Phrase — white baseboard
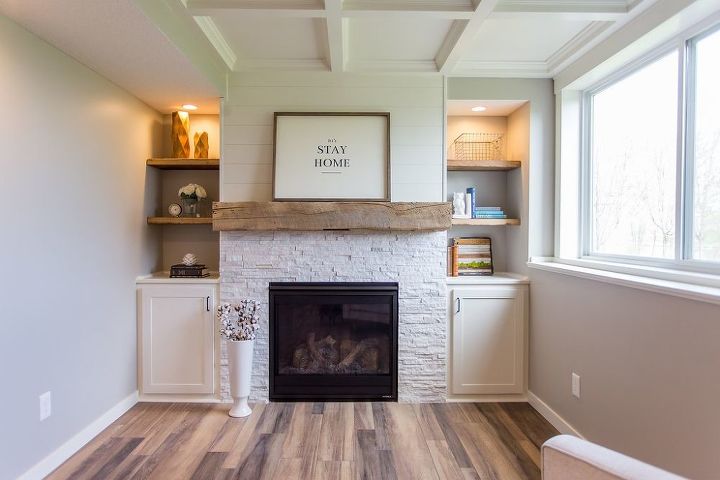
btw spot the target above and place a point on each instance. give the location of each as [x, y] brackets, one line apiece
[69, 448]
[486, 398]
[175, 398]
[552, 416]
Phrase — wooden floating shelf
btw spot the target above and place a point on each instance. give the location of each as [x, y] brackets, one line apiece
[184, 163]
[179, 221]
[485, 221]
[482, 165]
[318, 216]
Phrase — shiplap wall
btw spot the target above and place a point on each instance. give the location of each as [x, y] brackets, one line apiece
[416, 126]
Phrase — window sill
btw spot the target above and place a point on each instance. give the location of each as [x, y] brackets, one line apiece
[699, 287]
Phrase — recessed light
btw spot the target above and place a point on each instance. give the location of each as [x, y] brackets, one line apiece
[479, 109]
[189, 106]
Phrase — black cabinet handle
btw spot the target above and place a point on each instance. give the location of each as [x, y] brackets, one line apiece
[458, 305]
[207, 303]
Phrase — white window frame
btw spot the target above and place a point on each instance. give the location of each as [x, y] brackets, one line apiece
[684, 45]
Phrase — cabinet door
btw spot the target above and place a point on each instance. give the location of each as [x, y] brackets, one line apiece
[488, 350]
[178, 332]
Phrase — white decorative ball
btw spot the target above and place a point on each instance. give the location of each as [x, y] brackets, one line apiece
[189, 259]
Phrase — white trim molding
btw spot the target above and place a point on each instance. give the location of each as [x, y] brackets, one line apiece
[79, 440]
[693, 286]
[552, 416]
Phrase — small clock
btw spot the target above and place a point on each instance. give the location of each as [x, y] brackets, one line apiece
[174, 210]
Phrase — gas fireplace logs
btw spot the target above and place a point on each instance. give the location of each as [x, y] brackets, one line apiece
[329, 355]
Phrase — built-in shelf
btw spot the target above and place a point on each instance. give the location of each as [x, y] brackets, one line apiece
[184, 163]
[482, 165]
[485, 221]
[179, 221]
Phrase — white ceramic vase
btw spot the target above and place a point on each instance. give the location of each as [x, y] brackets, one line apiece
[240, 357]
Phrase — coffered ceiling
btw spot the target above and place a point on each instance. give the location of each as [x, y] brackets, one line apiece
[169, 52]
[525, 38]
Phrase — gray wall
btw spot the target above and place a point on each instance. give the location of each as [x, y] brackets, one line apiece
[73, 240]
[648, 364]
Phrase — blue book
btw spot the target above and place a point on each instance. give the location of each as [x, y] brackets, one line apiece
[489, 212]
[489, 209]
[490, 216]
[471, 191]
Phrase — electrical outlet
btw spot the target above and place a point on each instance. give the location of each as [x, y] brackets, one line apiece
[45, 405]
[575, 385]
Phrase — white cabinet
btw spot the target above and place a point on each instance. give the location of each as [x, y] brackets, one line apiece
[488, 342]
[177, 338]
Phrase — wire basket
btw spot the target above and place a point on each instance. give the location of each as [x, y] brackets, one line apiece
[478, 146]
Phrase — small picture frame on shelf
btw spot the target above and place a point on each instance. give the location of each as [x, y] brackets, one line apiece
[471, 256]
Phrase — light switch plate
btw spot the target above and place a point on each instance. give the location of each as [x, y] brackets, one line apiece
[45, 405]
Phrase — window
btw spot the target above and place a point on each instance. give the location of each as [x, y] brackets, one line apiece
[705, 149]
[652, 159]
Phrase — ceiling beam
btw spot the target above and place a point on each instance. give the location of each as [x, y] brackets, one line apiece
[461, 35]
[213, 34]
[336, 35]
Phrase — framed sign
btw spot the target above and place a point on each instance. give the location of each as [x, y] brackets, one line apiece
[331, 156]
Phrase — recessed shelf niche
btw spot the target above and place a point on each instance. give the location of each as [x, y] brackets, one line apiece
[498, 182]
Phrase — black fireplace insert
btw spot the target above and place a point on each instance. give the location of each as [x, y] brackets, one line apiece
[333, 341]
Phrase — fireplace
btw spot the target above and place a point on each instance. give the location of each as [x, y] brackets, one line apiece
[333, 341]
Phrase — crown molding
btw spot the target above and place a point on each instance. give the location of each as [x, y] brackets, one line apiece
[452, 9]
[282, 64]
[411, 5]
[204, 8]
[610, 6]
[576, 46]
[501, 69]
[392, 66]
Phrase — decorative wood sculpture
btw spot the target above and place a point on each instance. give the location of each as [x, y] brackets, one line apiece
[180, 135]
[201, 145]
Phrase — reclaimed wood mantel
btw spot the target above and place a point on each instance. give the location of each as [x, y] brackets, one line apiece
[314, 216]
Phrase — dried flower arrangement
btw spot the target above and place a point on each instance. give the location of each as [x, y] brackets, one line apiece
[239, 322]
[192, 190]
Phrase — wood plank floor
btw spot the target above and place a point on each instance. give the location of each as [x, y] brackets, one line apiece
[317, 441]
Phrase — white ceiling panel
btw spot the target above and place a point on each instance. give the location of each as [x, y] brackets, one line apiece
[282, 38]
[531, 39]
[396, 39]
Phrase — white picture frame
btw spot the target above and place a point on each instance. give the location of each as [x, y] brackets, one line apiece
[331, 156]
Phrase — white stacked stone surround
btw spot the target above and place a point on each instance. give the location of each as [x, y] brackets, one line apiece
[249, 261]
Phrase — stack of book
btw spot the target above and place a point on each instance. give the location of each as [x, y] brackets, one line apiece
[489, 212]
[470, 256]
[188, 271]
